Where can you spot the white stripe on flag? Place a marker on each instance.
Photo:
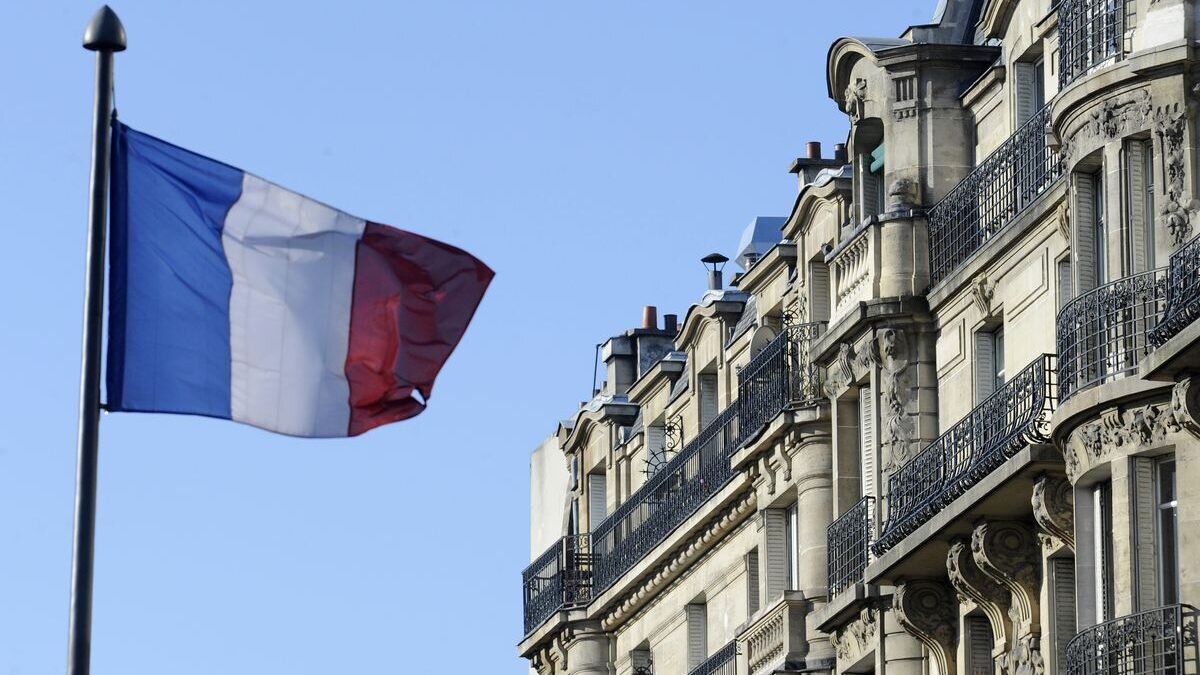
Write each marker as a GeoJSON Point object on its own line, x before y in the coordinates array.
{"type": "Point", "coordinates": [289, 312]}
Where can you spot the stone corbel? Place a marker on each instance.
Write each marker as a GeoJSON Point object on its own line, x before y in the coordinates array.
{"type": "Point", "coordinates": [994, 600]}
{"type": "Point", "coordinates": [1009, 553]}
{"type": "Point", "coordinates": [1053, 509]}
{"type": "Point", "coordinates": [1185, 406]}
{"type": "Point", "coordinates": [927, 610]}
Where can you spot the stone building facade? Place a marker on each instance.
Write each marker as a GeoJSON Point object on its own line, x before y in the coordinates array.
{"type": "Point", "coordinates": [947, 418]}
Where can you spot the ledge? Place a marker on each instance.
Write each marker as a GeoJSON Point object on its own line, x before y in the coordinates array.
{"type": "Point", "coordinates": [1090, 402]}
{"type": "Point", "coordinates": [925, 548]}
{"type": "Point", "coordinates": [1179, 355]}
{"type": "Point", "coordinates": [868, 311]}
{"type": "Point", "coordinates": [844, 606]}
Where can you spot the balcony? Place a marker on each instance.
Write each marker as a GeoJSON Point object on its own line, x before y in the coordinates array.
{"type": "Point", "coordinates": [1016, 415]}
{"type": "Point", "coordinates": [558, 579]}
{"type": "Point", "coordinates": [777, 639]}
{"type": "Point", "coordinates": [723, 662]}
{"type": "Point", "coordinates": [667, 499]}
{"type": "Point", "coordinates": [1003, 186]}
{"type": "Point", "coordinates": [1104, 333]}
{"type": "Point", "coordinates": [1183, 294]}
{"type": "Point", "coordinates": [849, 545]}
{"type": "Point", "coordinates": [781, 375]}
{"type": "Point", "coordinates": [1091, 33]}
{"type": "Point", "coordinates": [1159, 640]}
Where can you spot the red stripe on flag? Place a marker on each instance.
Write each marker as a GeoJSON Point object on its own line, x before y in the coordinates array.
{"type": "Point", "coordinates": [413, 299]}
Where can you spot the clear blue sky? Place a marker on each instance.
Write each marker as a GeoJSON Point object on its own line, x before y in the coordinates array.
{"type": "Point", "coordinates": [590, 153]}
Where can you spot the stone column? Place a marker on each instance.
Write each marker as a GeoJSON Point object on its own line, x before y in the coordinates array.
{"type": "Point", "coordinates": [814, 494]}
{"type": "Point", "coordinates": [589, 650]}
{"type": "Point", "coordinates": [899, 652]}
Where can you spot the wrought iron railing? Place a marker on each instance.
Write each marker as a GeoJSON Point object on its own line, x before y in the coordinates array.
{"type": "Point", "coordinates": [990, 197]}
{"type": "Point", "coordinates": [1159, 640]}
{"type": "Point", "coordinates": [1183, 293]}
{"type": "Point", "coordinates": [664, 501]}
{"type": "Point", "coordinates": [1090, 34]}
{"type": "Point", "coordinates": [1103, 333]}
{"type": "Point", "coordinates": [1016, 415]}
{"type": "Point", "coordinates": [782, 374]}
{"type": "Point", "coordinates": [559, 578]}
{"type": "Point", "coordinates": [722, 662]}
{"type": "Point", "coordinates": [848, 545]}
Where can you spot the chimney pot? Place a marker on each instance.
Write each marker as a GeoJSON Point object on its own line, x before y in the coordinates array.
{"type": "Point", "coordinates": [671, 323]}
{"type": "Point", "coordinates": [813, 149]}
{"type": "Point", "coordinates": [650, 317]}
{"type": "Point", "coordinates": [839, 152]}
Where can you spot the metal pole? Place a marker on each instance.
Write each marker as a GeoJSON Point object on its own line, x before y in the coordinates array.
{"type": "Point", "coordinates": [104, 35]}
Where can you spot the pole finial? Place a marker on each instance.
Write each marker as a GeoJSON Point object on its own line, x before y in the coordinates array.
{"type": "Point", "coordinates": [104, 33]}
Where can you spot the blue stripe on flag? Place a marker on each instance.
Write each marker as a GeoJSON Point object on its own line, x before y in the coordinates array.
{"type": "Point", "coordinates": [168, 332]}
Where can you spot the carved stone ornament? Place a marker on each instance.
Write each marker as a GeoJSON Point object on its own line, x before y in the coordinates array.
{"type": "Point", "coordinates": [856, 96]}
{"type": "Point", "coordinates": [890, 351]}
{"type": "Point", "coordinates": [858, 636]}
{"type": "Point", "coordinates": [1114, 118]}
{"type": "Point", "coordinates": [1053, 508]}
{"type": "Point", "coordinates": [840, 374]}
{"type": "Point", "coordinates": [982, 292]}
{"type": "Point", "coordinates": [1025, 658]}
{"type": "Point", "coordinates": [1175, 215]}
{"type": "Point", "coordinates": [1063, 215]}
{"type": "Point", "coordinates": [1009, 553]}
{"type": "Point", "coordinates": [1129, 430]}
{"type": "Point", "coordinates": [927, 610]}
{"type": "Point", "coordinates": [973, 585]}
{"type": "Point", "coordinates": [901, 194]}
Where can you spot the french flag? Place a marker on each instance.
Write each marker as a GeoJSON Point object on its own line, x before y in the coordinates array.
{"type": "Point", "coordinates": [235, 298]}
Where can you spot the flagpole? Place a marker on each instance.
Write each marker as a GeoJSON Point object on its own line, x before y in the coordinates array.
{"type": "Point", "coordinates": [104, 35]}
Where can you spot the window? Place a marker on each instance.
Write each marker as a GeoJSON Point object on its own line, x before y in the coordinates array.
{"type": "Point", "coordinates": [793, 543]}
{"type": "Point", "coordinates": [641, 661]}
{"type": "Point", "coordinates": [775, 548]}
{"type": "Point", "coordinates": [1167, 531]}
{"type": "Point", "coordinates": [989, 362]}
{"type": "Point", "coordinates": [752, 603]}
{"type": "Point", "coordinates": [597, 499]}
{"type": "Point", "coordinates": [1030, 88]}
{"type": "Point", "coordinates": [708, 398]}
{"type": "Point", "coordinates": [697, 634]}
{"type": "Point", "coordinates": [1062, 596]}
{"type": "Point", "coordinates": [866, 441]}
{"type": "Point", "coordinates": [656, 448]}
{"type": "Point", "coordinates": [1090, 234]}
{"type": "Point", "coordinates": [1138, 235]}
{"type": "Point", "coordinates": [1102, 550]}
{"type": "Point", "coordinates": [1099, 234]}
{"type": "Point", "coordinates": [818, 294]}
{"type": "Point", "coordinates": [1064, 281]}
{"type": "Point", "coordinates": [979, 645]}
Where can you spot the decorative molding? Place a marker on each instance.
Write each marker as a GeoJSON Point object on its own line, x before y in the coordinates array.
{"type": "Point", "coordinates": [683, 557]}
{"type": "Point", "coordinates": [1111, 119]}
{"type": "Point", "coordinates": [982, 292]}
{"type": "Point", "coordinates": [972, 585]}
{"type": "Point", "coordinates": [859, 634]}
{"type": "Point", "coordinates": [1053, 509]}
{"type": "Point", "coordinates": [1009, 553]}
{"type": "Point", "coordinates": [902, 194]}
{"type": "Point", "coordinates": [890, 350]}
{"type": "Point", "coordinates": [1063, 215]}
{"type": "Point", "coordinates": [1175, 215]}
{"type": "Point", "coordinates": [927, 610]}
{"type": "Point", "coordinates": [1134, 429]}
{"type": "Point", "coordinates": [1025, 658]}
{"type": "Point", "coordinates": [856, 96]}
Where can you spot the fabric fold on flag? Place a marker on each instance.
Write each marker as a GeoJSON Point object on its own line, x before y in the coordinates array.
{"type": "Point", "coordinates": [235, 298]}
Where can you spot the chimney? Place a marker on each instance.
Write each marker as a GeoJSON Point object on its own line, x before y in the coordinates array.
{"type": "Point", "coordinates": [813, 150]}
{"type": "Point", "coordinates": [839, 153]}
{"type": "Point", "coordinates": [671, 323]}
{"type": "Point", "coordinates": [650, 317]}
{"type": "Point", "coordinates": [715, 262]}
